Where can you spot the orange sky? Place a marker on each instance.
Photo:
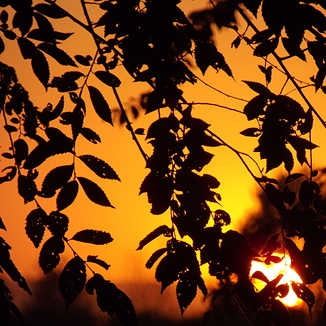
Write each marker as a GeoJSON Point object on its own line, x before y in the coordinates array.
{"type": "Point", "coordinates": [131, 220]}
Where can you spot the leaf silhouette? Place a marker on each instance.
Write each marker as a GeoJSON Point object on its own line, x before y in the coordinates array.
{"type": "Point", "coordinates": [90, 135]}
{"type": "Point", "coordinates": [21, 150]}
{"type": "Point", "coordinates": [59, 55]}
{"type": "Point", "coordinates": [2, 225]}
{"type": "Point", "coordinates": [9, 267]}
{"type": "Point", "coordinates": [94, 192]}
{"type": "Point", "coordinates": [82, 60]}
{"type": "Point", "coordinates": [23, 20]}
{"type": "Point", "coordinates": [154, 257]}
{"type": "Point", "coordinates": [186, 290]}
{"type": "Point", "coordinates": [35, 225]}
{"type": "Point", "coordinates": [252, 5]}
{"type": "Point", "coordinates": [67, 195]}
{"type": "Point", "coordinates": [2, 45]}
{"type": "Point", "coordinates": [304, 293]}
{"type": "Point", "coordinates": [58, 223]}
{"type": "Point", "coordinates": [251, 132]}
{"type": "Point", "coordinates": [100, 104]}
{"type": "Point", "coordinates": [49, 255]}
{"type": "Point", "coordinates": [100, 262]}
{"type": "Point", "coordinates": [99, 167]}
{"type": "Point", "coordinates": [255, 107]}
{"type": "Point", "coordinates": [26, 188]}
{"type": "Point", "coordinates": [48, 114]}
{"type": "Point", "coordinates": [93, 236]}
{"type": "Point", "coordinates": [40, 68]}
{"type": "Point", "coordinates": [27, 48]}
{"type": "Point", "coordinates": [56, 179]}
{"type": "Point", "coordinates": [260, 89]}
{"type": "Point", "coordinates": [72, 280]}
{"type": "Point", "coordinates": [163, 229]}
{"type": "Point", "coordinates": [52, 11]}
{"type": "Point", "coordinates": [108, 78]}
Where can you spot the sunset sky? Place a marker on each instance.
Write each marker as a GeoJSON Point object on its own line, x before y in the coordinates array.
{"type": "Point", "coordinates": [131, 220]}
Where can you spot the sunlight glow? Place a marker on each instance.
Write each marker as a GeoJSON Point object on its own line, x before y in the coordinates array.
{"type": "Point", "coordinates": [271, 271]}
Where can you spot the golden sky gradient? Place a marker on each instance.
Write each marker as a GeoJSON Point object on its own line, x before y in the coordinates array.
{"type": "Point", "coordinates": [131, 220]}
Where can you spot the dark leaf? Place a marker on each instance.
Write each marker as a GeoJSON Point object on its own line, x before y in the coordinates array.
{"type": "Point", "coordinates": [273, 259]}
{"type": "Point", "coordinates": [2, 45]}
{"type": "Point", "coordinates": [163, 229]}
{"type": "Point", "coordinates": [252, 5]}
{"type": "Point", "coordinates": [266, 47]}
{"type": "Point", "coordinates": [49, 254]}
{"type": "Point", "coordinates": [35, 225]}
{"type": "Point", "coordinates": [82, 60]}
{"type": "Point", "coordinates": [100, 104]}
{"type": "Point", "coordinates": [7, 155]}
{"type": "Point", "coordinates": [67, 195]}
{"type": "Point", "coordinates": [48, 114]}
{"type": "Point", "coordinates": [140, 131]}
{"type": "Point", "coordinates": [282, 290]}
{"type": "Point", "coordinates": [90, 135]}
{"type": "Point", "coordinates": [56, 179]}
{"type": "Point", "coordinates": [186, 290]}
{"type": "Point", "coordinates": [275, 197]}
{"type": "Point", "coordinates": [155, 256]}
{"type": "Point", "coordinates": [99, 167]}
{"type": "Point", "coordinates": [9, 267]}
{"type": "Point", "coordinates": [10, 128]}
{"type": "Point", "coordinates": [94, 192]}
{"type": "Point", "coordinates": [306, 126]}
{"type": "Point", "coordinates": [4, 16]}
{"type": "Point", "coordinates": [159, 190]}
{"type": "Point", "coordinates": [41, 68]}
{"type": "Point", "coordinates": [23, 19]}
{"type": "Point", "coordinates": [93, 236]}
{"type": "Point", "coordinates": [260, 276]}
{"type": "Point", "coordinates": [26, 47]}
{"type": "Point", "coordinates": [154, 101]}
{"type": "Point", "coordinates": [58, 143]}
{"type": "Point", "coordinates": [236, 42]}
{"type": "Point", "coordinates": [260, 89]}
{"type": "Point", "coordinates": [21, 150]}
{"type": "Point", "coordinates": [10, 175]}
{"type": "Point", "coordinates": [304, 293]}
{"type": "Point", "coordinates": [251, 132]}
{"type": "Point", "coordinates": [9, 34]}
{"type": "Point", "coordinates": [108, 78]}
{"type": "Point", "coordinates": [293, 177]}
{"type": "Point", "coordinates": [255, 107]}
{"type": "Point", "coordinates": [72, 279]}
{"type": "Point", "coordinates": [292, 46]}
{"type": "Point", "coordinates": [52, 11]}
{"type": "Point", "coordinates": [95, 260]}
{"type": "Point", "coordinates": [26, 188]}
{"type": "Point", "coordinates": [59, 55]}
{"type": "Point", "coordinates": [58, 223]}
{"type": "Point", "coordinates": [2, 225]}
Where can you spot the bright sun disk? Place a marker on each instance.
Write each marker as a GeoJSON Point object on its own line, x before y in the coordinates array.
{"type": "Point", "coordinates": [272, 271]}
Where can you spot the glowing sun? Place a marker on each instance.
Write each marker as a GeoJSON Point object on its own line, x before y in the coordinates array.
{"type": "Point", "coordinates": [271, 271]}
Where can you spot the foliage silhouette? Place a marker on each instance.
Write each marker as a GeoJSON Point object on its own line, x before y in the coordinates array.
{"type": "Point", "coordinates": [154, 41]}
